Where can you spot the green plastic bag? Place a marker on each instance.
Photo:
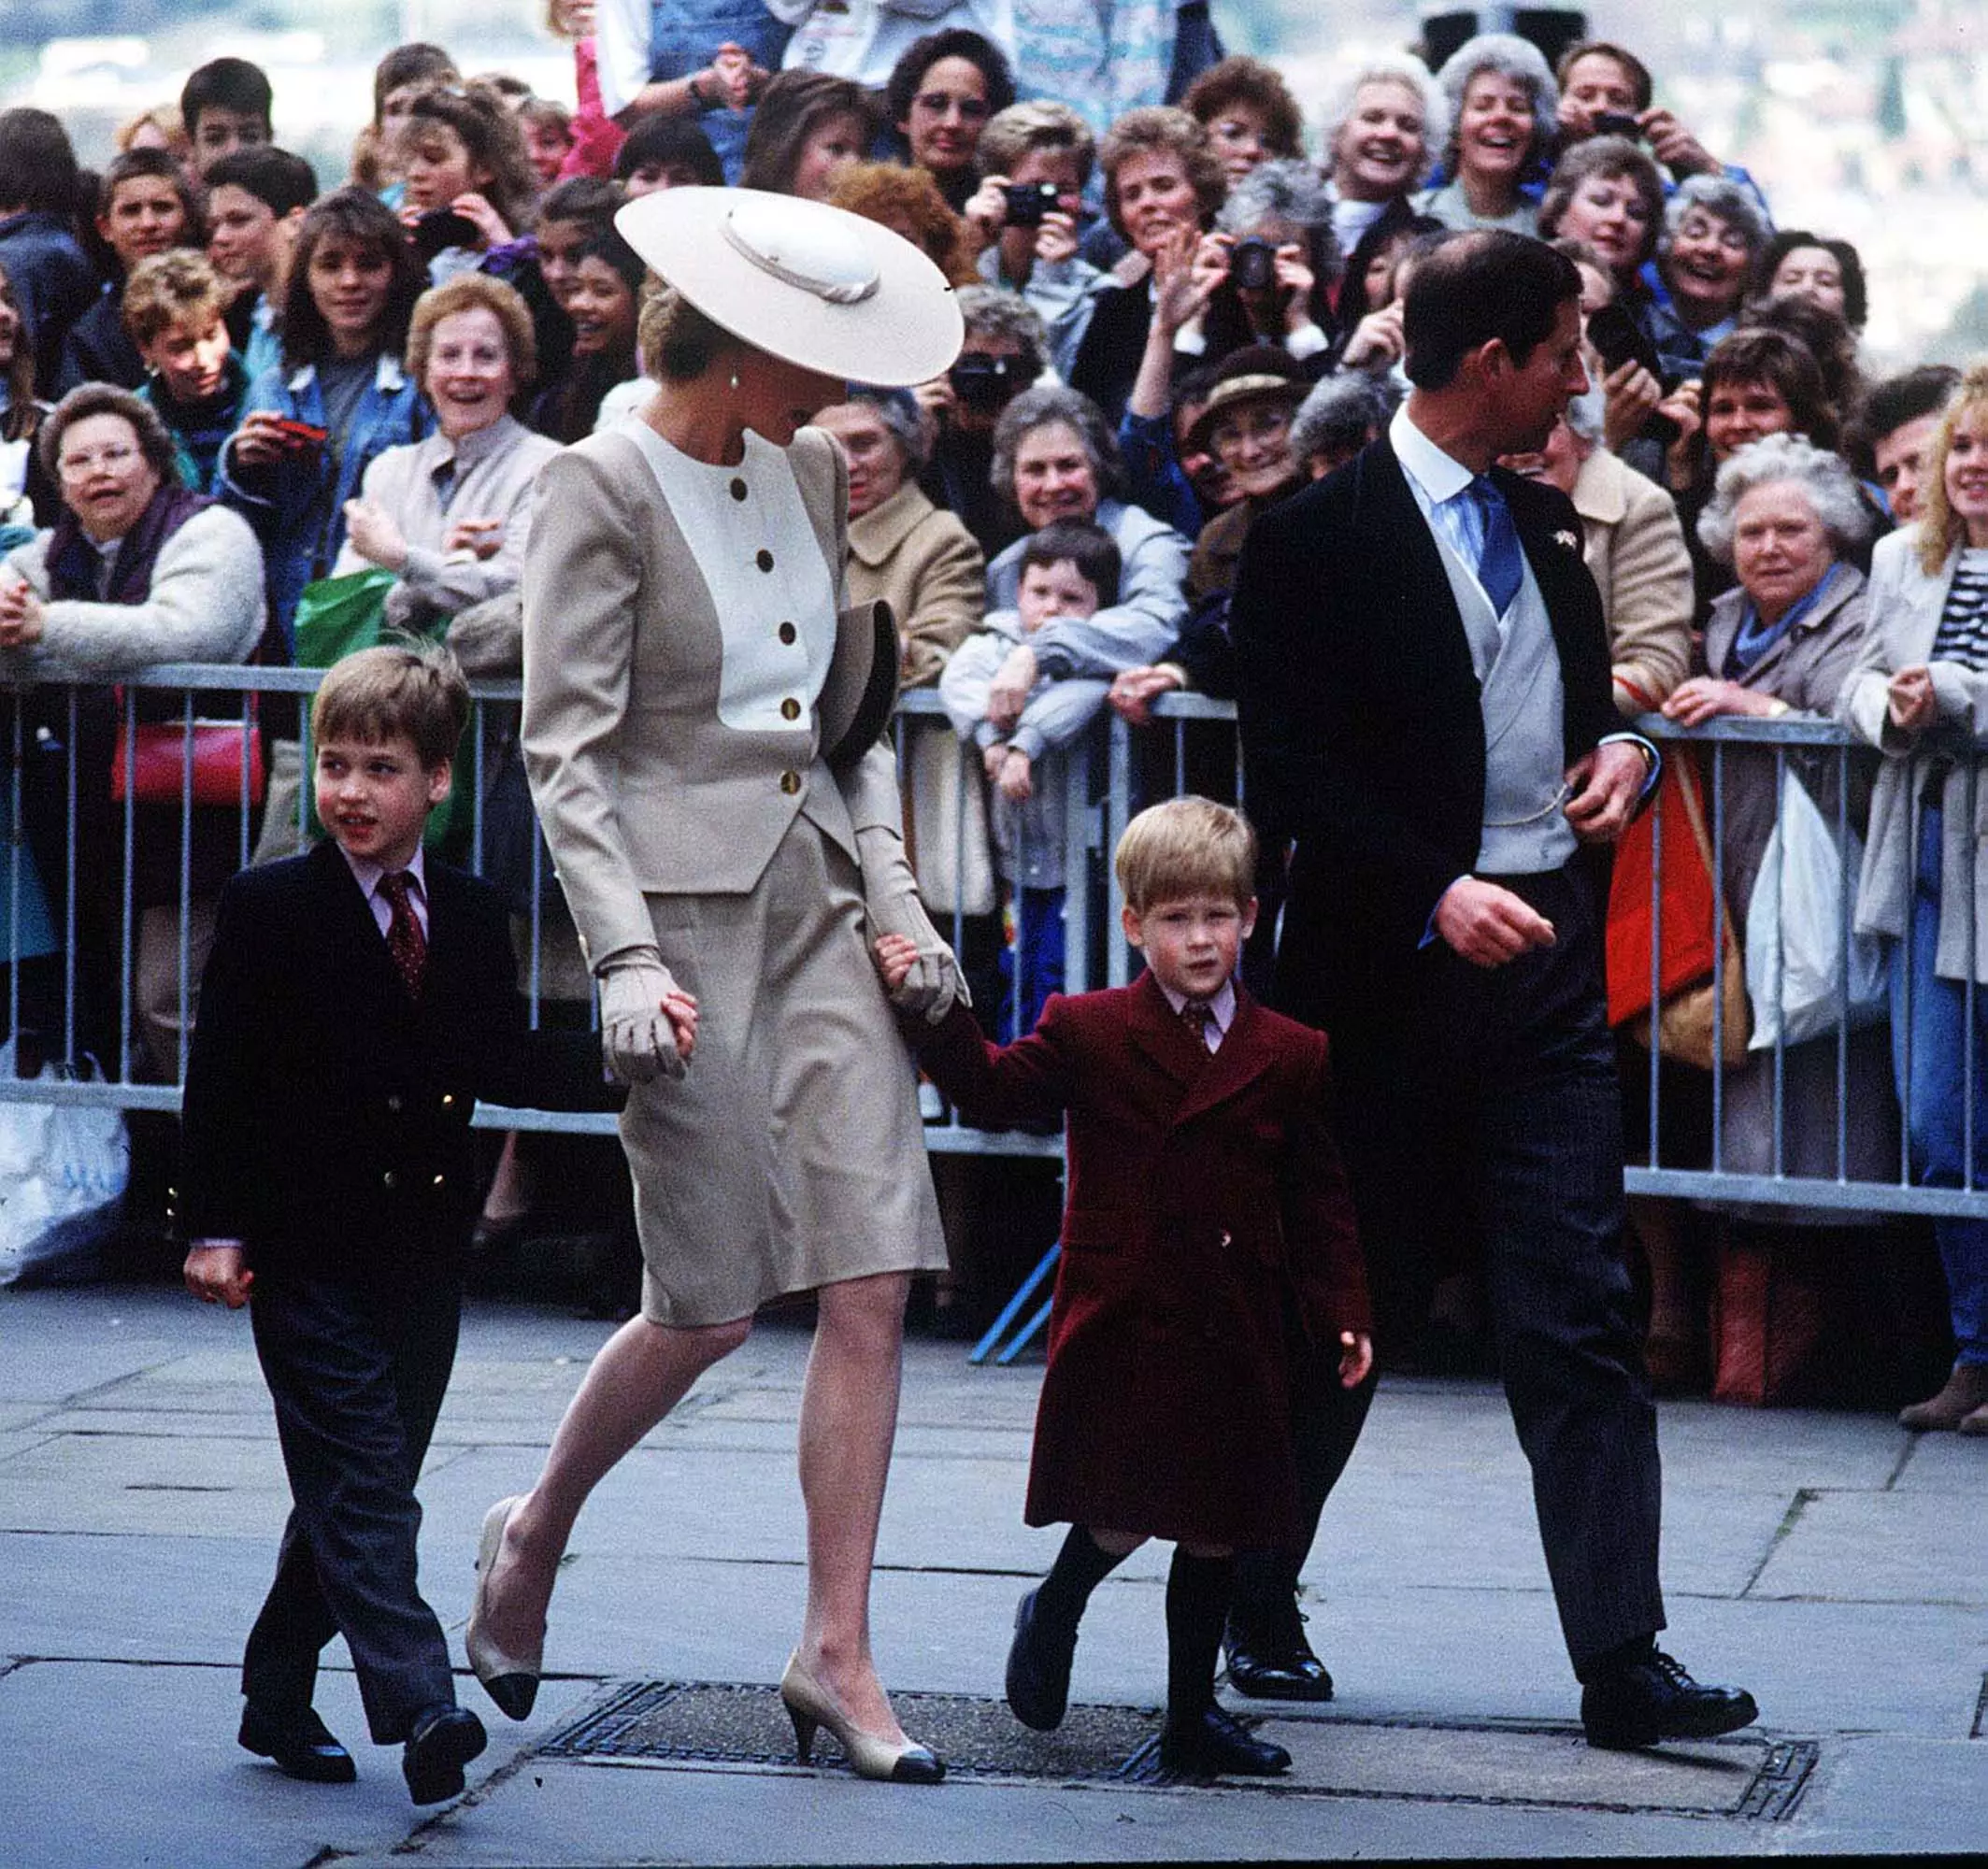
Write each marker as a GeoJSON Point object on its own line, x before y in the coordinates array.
{"type": "Point", "coordinates": [338, 616]}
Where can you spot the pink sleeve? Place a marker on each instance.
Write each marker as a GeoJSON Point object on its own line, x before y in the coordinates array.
{"type": "Point", "coordinates": [596, 138]}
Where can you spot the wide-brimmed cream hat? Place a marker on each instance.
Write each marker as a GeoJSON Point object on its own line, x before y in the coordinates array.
{"type": "Point", "coordinates": [816, 285]}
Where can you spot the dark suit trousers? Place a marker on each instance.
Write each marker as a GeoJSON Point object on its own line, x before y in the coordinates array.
{"type": "Point", "coordinates": [357, 1373]}
{"type": "Point", "coordinates": [1510, 1072]}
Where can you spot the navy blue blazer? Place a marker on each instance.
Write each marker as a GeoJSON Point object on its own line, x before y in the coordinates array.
{"type": "Point", "coordinates": [326, 1115]}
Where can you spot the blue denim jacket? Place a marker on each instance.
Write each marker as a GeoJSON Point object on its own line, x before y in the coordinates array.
{"type": "Point", "coordinates": [298, 504]}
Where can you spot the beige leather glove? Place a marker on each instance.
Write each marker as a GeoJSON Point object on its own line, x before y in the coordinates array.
{"type": "Point", "coordinates": [636, 1038]}
{"type": "Point", "coordinates": [889, 898]}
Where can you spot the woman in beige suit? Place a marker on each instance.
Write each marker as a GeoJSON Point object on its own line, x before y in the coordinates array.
{"type": "Point", "coordinates": [702, 715]}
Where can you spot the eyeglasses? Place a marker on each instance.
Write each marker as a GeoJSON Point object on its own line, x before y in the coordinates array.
{"type": "Point", "coordinates": [74, 466]}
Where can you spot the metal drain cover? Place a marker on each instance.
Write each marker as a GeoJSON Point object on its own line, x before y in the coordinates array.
{"type": "Point", "coordinates": [1748, 1776]}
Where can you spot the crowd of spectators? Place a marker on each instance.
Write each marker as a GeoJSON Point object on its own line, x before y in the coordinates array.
{"type": "Point", "coordinates": [224, 378]}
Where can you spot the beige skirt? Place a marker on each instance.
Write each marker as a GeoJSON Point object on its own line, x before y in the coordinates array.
{"type": "Point", "coordinates": [791, 1155]}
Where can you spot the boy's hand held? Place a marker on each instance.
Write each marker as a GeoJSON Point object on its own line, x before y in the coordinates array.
{"type": "Point", "coordinates": [932, 982]}
{"type": "Point", "coordinates": [643, 1015]}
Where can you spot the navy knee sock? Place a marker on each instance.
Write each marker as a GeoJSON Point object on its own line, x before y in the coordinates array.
{"type": "Point", "coordinates": [1198, 1607]}
{"type": "Point", "coordinates": [1081, 1566]}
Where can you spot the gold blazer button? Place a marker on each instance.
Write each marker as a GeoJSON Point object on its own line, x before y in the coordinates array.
{"type": "Point", "coordinates": [790, 709]}
{"type": "Point", "coordinates": [790, 782]}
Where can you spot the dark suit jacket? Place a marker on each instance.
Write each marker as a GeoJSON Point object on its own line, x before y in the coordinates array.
{"type": "Point", "coordinates": [326, 1115]}
{"type": "Point", "coordinates": [1362, 721]}
{"type": "Point", "coordinates": [1205, 1196]}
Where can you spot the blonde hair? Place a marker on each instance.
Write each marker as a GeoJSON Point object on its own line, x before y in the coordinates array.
{"type": "Point", "coordinates": [165, 288]}
{"type": "Point", "coordinates": [473, 292]}
{"type": "Point", "coordinates": [1939, 529]}
{"type": "Point", "coordinates": [1186, 847]}
{"type": "Point", "coordinates": [407, 689]}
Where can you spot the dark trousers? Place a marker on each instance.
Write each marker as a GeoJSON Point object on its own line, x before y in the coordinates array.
{"type": "Point", "coordinates": [1510, 1074]}
{"type": "Point", "coordinates": [357, 1373]}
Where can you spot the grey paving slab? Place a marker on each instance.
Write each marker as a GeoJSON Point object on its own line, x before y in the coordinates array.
{"type": "Point", "coordinates": [1887, 1793]}
{"type": "Point", "coordinates": [1944, 1463]}
{"type": "Point", "coordinates": [16, 1415]}
{"type": "Point", "coordinates": [136, 1485]}
{"type": "Point", "coordinates": [1709, 1449]}
{"type": "Point", "coordinates": [1894, 1547]}
{"type": "Point", "coordinates": [243, 1421]}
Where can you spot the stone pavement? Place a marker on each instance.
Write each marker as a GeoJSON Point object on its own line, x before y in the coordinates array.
{"type": "Point", "coordinates": [1831, 1562]}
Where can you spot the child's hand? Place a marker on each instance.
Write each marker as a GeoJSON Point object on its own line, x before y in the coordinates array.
{"type": "Point", "coordinates": [1008, 694]}
{"type": "Point", "coordinates": [218, 1275]}
{"type": "Point", "coordinates": [1356, 1358]}
{"type": "Point", "coordinates": [1014, 778]}
{"type": "Point", "coordinates": [896, 955]}
{"type": "Point", "coordinates": [992, 759]}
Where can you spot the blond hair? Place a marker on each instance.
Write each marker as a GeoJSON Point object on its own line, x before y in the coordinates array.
{"type": "Point", "coordinates": [404, 690]}
{"type": "Point", "coordinates": [473, 292]}
{"type": "Point", "coordinates": [1941, 529]}
{"type": "Point", "coordinates": [1186, 847]}
{"type": "Point", "coordinates": [166, 289]}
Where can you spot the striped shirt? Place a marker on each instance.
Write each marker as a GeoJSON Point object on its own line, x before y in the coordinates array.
{"type": "Point", "coordinates": [1963, 634]}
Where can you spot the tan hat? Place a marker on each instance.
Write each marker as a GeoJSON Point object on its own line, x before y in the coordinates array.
{"type": "Point", "coordinates": [813, 284]}
{"type": "Point", "coordinates": [1230, 390]}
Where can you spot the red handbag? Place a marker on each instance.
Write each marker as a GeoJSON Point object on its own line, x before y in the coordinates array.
{"type": "Point", "coordinates": [154, 753]}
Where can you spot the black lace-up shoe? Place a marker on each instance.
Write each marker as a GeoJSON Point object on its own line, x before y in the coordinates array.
{"type": "Point", "coordinates": [1655, 1699]}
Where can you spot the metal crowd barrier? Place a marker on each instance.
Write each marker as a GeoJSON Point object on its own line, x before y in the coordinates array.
{"type": "Point", "coordinates": [1110, 771]}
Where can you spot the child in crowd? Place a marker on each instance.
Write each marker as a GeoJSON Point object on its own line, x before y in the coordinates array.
{"type": "Point", "coordinates": [173, 309]}
{"type": "Point", "coordinates": [548, 127]}
{"type": "Point", "coordinates": [1207, 1211]}
{"type": "Point", "coordinates": [225, 105]}
{"type": "Point", "coordinates": [358, 1001]}
{"type": "Point", "coordinates": [145, 206]}
{"type": "Point", "coordinates": [1020, 720]}
{"type": "Point", "coordinates": [256, 201]}
{"type": "Point", "coordinates": [399, 79]}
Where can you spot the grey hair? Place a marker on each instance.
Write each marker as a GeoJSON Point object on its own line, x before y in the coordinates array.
{"type": "Point", "coordinates": [1511, 57]}
{"type": "Point", "coordinates": [155, 439]}
{"type": "Point", "coordinates": [1403, 68]}
{"type": "Point", "coordinates": [1721, 195]}
{"type": "Point", "coordinates": [1824, 478]}
{"type": "Point", "coordinates": [993, 311]}
{"type": "Point", "coordinates": [1288, 190]}
{"type": "Point", "coordinates": [897, 410]}
{"type": "Point", "coordinates": [1338, 409]}
{"type": "Point", "coordinates": [1041, 405]}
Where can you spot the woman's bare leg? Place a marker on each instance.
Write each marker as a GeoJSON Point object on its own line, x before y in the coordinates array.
{"type": "Point", "coordinates": [640, 1375]}
{"type": "Point", "coordinates": [848, 1420]}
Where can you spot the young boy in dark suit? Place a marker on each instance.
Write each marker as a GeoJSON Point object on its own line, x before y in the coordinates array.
{"type": "Point", "coordinates": [358, 1001]}
{"type": "Point", "coordinates": [1206, 1206]}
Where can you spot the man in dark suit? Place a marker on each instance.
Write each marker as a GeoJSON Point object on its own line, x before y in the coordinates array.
{"type": "Point", "coordinates": [358, 1001]}
{"type": "Point", "coordinates": [1425, 699]}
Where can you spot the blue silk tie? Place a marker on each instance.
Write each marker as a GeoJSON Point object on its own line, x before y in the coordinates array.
{"type": "Point", "coordinates": [1501, 566]}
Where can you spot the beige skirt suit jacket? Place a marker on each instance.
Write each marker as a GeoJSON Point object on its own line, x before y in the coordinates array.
{"type": "Point", "coordinates": [688, 663]}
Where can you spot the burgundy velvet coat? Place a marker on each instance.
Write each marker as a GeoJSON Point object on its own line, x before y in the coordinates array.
{"type": "Point", "coordinates": [1206, 1201]}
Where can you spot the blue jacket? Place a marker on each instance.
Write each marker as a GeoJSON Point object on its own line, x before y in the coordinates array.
{"type": "Point", "coordinates": [298, 504]}
{"type": "Point", "coordinates": [53, 283]}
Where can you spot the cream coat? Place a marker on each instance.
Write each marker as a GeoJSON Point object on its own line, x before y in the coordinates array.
{"type": "Point", "coordinates": [920, 559]}
{"type": "Point", "coordinates": [1634, 547]}
{"type": "Point", "coordinates": [641, 789]}
{"type": "Point", "coordinates": [1905, 609]}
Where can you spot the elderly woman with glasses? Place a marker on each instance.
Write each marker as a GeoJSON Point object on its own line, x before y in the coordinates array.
{"type": "Point", "coordinates": [136, 570]}
{"type": "Point", "coordinates": [1789, 520]}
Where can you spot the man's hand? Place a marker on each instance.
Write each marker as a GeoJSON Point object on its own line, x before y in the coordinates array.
{"type": "Point", "coordinates": [1488, 925]}
{"type": "Point", "coordinates": [1909, 700]}
{"type": "Point", "coordinates": [1606, 785]}
{"type": "Point", "coordinates": [1008, 694]}
{"type": "Point", "coordinates": [649, 1023]}
{"type": "Point", "coordinates": [218, 1275]}
{"type": "Point", "coordinates": [1675, 146]}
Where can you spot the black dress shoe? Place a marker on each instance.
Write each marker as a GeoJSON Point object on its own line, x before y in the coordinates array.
{"type": "Point", "coordinates": [300, 1742]}
{"type": "Point", "coordinates": [1268, 1668]}
{"type": "Point", "coordinates": [444, 1740]}
{"type": "Point", "coordinates": [1655, 1699]}
{"type": "Point", "coordinates": [1212, 1743]}
{"type": "Point", "coordinates": [1038, 1668]}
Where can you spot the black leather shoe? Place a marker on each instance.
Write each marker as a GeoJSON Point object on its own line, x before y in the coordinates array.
{"type": "Point", "coordinates": [1038, 1668]}
{"type": "Point", "coordinates": [300, 1742]}
{"type": "Point", "coordinates": [1266, 1667]}
{"type": "Point", "coordinates": [1655, 1699]}
{"type": "Point", "coordinates": [444, 1740]}
{"type": "Point", "coordinates": [1214, 1743]}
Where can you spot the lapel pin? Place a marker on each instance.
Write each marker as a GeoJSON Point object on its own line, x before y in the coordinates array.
{"type": "Point", "coordinates": [1567, 541]}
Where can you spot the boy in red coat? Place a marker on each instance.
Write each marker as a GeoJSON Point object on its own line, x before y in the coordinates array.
{"type": "Point", "coordinates": [1206, 1199]}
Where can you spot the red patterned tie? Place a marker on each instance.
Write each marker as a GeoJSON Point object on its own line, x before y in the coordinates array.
{"type": "Point", "coordinates": [1198, 1016]}
{"type": "Point", "coordinates": [406, 942]}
